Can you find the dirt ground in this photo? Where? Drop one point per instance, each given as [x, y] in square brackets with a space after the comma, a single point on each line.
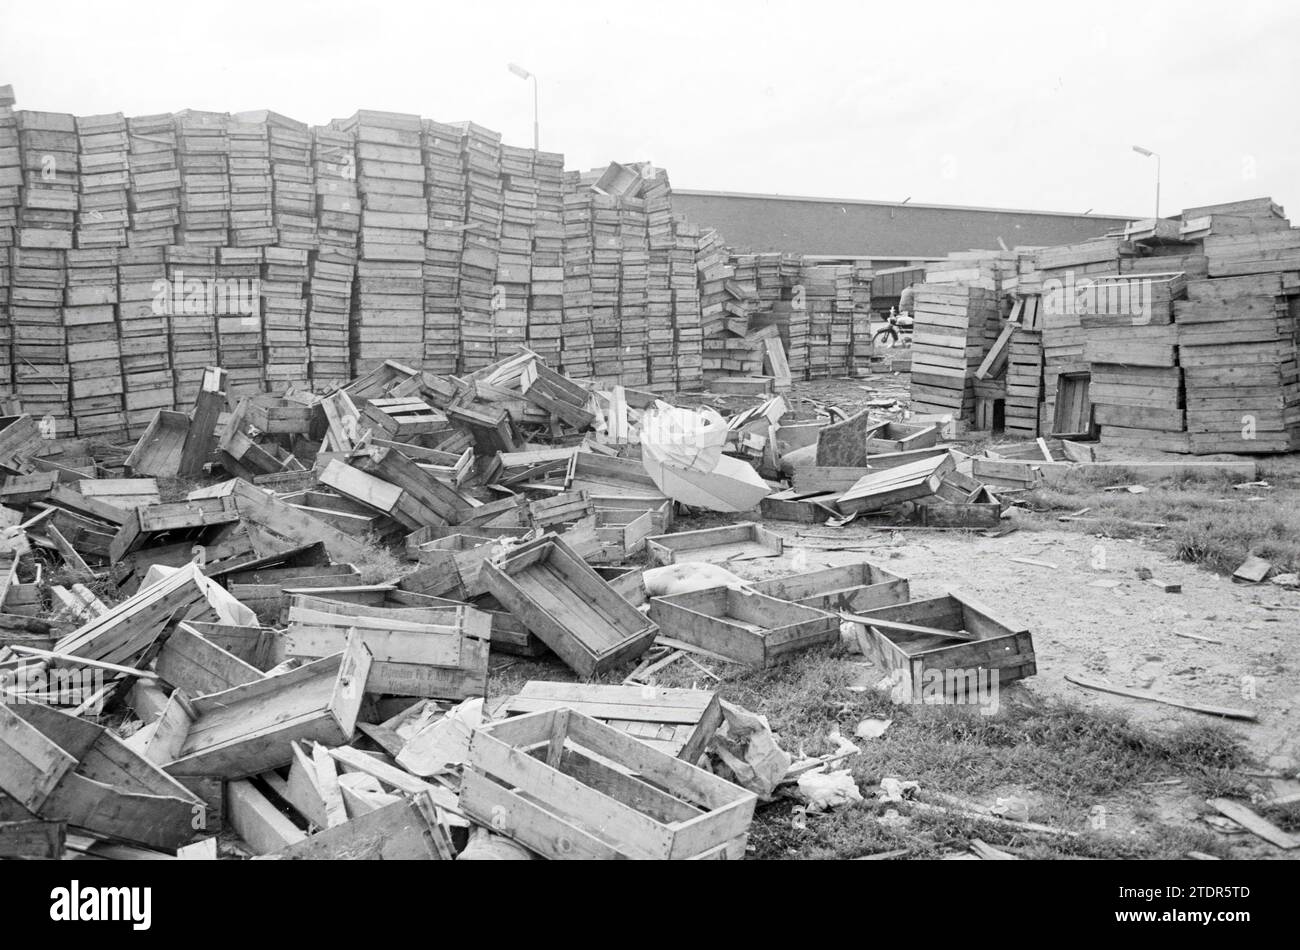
[1132, 635]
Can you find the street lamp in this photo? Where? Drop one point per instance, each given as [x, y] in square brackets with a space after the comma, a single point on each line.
[525, 74]
[1150, 154]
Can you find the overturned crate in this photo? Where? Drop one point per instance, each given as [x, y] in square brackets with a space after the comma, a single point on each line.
[749, 628]
[567, 786]
[728, 543]
[951, 643]
[558, 596]
[854, 587]
[678, 722]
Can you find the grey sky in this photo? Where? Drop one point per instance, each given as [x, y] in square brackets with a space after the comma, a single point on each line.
[1023, 105]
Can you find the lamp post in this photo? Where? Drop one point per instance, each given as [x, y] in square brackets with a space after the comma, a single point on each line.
[525, 74]
[1150, 154]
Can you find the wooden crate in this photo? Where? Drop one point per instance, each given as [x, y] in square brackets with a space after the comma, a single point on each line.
[755, 629]
[569, 787]
[998, 645]
[438, 652]
[462, 553]
[853, 587]
[729, 542]
[250, 728]
[569, 606]
[678, 722]
[901, 437]
[159, 450]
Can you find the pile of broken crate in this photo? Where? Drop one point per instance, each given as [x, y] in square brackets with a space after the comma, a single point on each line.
[230, 662]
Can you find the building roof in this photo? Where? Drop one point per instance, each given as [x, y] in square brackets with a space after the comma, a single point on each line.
[845, 228]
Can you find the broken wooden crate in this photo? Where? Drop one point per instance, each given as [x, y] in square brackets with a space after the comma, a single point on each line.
[678, 722]
[853, 587]
[567, 786]
[751, 628]
[263, 590]
[562, 600]
[60, 767]
[907, 482]
[248, 729]
[742, 541]
[975, 644]
[438, 652]
[462, 555]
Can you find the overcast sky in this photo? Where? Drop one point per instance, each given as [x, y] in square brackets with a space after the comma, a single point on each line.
[1020, 105]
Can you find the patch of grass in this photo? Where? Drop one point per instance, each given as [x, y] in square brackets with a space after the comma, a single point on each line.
[176, 489]
[378, 564]
[1207, 522]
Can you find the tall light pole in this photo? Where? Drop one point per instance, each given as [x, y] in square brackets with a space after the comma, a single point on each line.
[525, 74]
[1150, 154]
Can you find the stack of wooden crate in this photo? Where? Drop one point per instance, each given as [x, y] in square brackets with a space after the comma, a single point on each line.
[155, 187]
[251, 223]
[104, 181]
[48, 147]
[40, 353]
[687, 330]
[1024, 383]
[606, 258]
[94, 355]
[576, 344]
[285, 274]
[546, 292]
[510, 315]
[948, 345]
[389, 318]
[338, 222]
[191, 270]
[861, 329]
[633, 287]
[444, 183]
[11, 178]
[479, 300]
[203, 142]
[293, 199]
[1065, 364]
[144, 322]
[1237, 346]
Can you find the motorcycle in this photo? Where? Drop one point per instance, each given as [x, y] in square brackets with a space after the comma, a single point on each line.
[896, 332]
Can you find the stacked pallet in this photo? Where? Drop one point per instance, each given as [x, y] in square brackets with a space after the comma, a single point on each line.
[203, 142]
[479, 296]
[948, 346]
[102, 147]
[155, 185]
[144, 324]
[546, 291]
[444, 183]
[251, 223]
[338, 223]
[285, 352]
[1237, 346]
[94, 354]
[389, 301]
